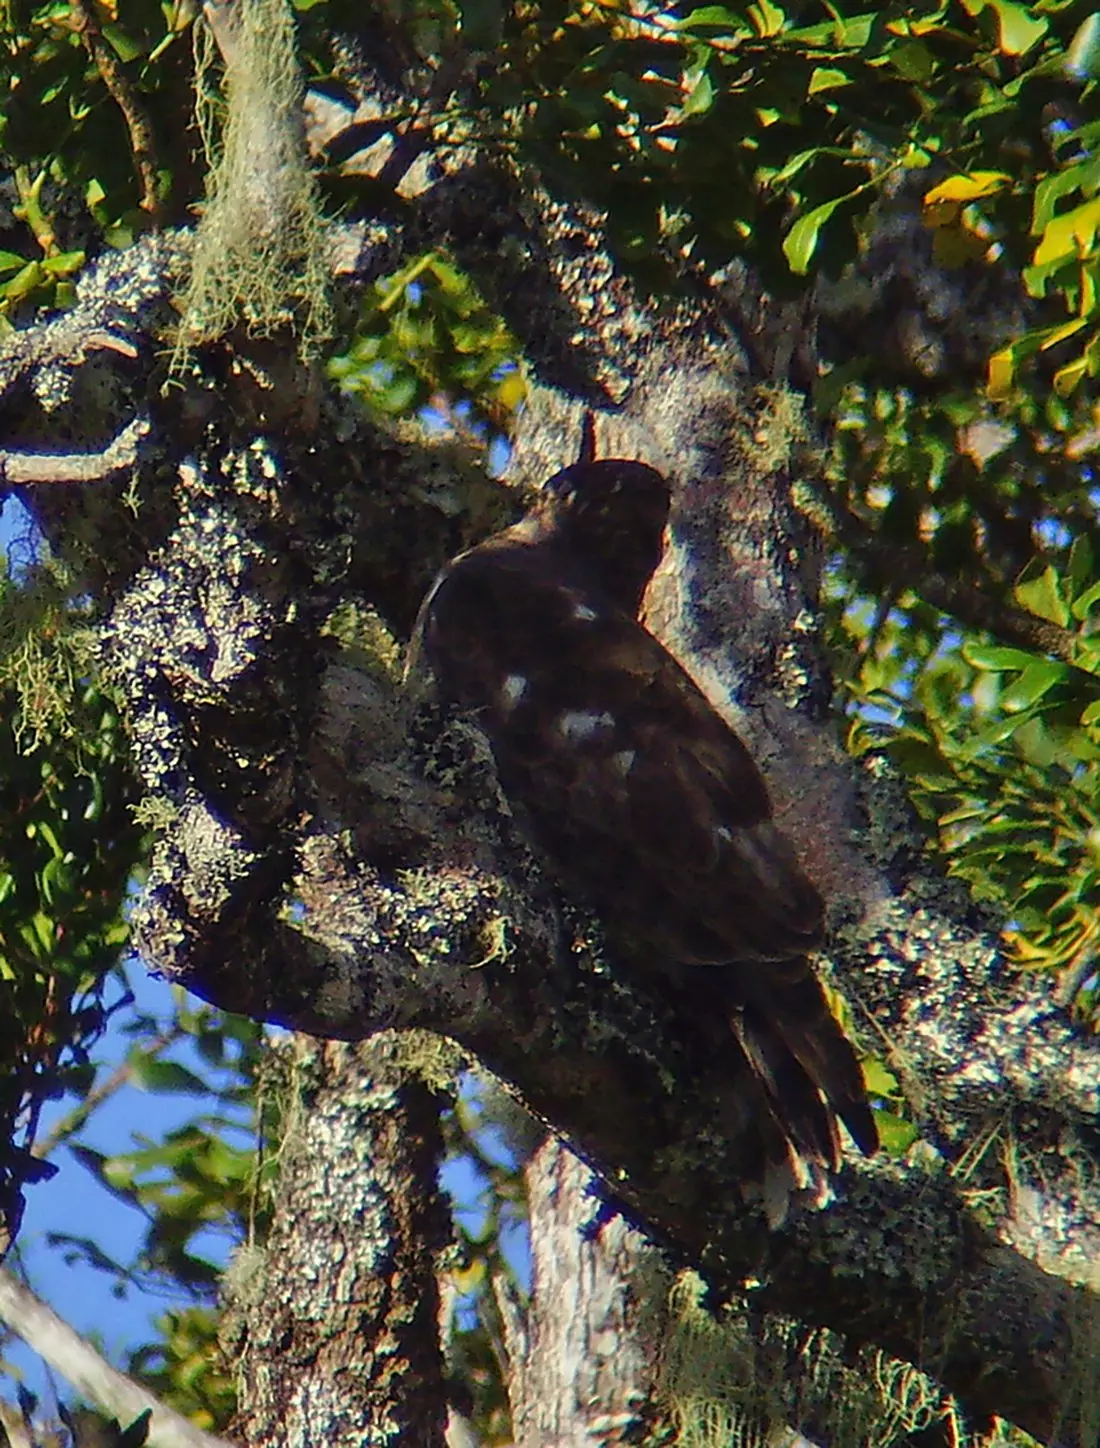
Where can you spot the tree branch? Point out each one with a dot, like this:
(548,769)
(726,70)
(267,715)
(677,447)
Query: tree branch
(125,96)
(79,1363)
(34,468)
(965,602)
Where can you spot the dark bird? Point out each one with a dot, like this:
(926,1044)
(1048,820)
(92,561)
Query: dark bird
(649,805)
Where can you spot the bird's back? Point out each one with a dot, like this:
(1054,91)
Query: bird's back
(652,809)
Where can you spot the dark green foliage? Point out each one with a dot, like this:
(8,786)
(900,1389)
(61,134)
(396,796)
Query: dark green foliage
(68,847)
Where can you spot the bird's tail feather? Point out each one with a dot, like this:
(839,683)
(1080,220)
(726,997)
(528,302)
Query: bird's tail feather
(803,1078)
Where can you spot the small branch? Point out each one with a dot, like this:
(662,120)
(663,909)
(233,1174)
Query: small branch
(119,1077)
(124,95)
(28,469)
(970,605)
(79,1363)
(973,607)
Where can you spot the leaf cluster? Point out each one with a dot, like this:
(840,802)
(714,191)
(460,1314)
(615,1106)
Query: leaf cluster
(1000,750)
(425,338)
(68,848)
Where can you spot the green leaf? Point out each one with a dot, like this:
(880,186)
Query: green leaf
(1070,235)
(801,241)
(825,78)
(1053,187)
(1038,589)
(896,1134)
(24,282)
(878,1080)
(151,1073)
(1083,604)
(1083,52)
(64,264)
(1079,568)
(1019,28)
(766,17)
(700,97)
(121,41)
(993,656)
(1036,681)
(712,17)
(965,188)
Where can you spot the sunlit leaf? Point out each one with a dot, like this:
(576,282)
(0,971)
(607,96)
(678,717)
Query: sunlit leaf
(967,187)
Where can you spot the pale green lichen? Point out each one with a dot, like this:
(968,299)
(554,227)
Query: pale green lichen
(779,429)
(360,628)
(435,1060)
(46,651)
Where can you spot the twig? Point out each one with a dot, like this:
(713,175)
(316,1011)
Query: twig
(28,469)
(905,566)
(111,73)
(79,1363)
(75,1119)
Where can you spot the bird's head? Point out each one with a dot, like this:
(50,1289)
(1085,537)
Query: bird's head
(612,513)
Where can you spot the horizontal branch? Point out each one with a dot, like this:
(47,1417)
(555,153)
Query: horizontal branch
(907,567)
(29,469)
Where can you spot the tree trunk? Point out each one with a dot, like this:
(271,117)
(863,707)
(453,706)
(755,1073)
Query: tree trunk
(333,1322)
(585,1365)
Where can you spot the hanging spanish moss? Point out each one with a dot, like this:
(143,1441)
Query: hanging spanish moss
(259,258)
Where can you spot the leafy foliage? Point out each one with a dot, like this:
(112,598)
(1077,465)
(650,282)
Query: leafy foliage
(1000,751)
(425,338)
(184,1368)
(68,846)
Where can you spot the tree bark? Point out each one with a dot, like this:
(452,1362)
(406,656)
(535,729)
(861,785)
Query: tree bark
(334,1321)
(585,1364)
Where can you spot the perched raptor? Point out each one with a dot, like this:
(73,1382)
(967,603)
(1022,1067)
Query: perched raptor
(649,805)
